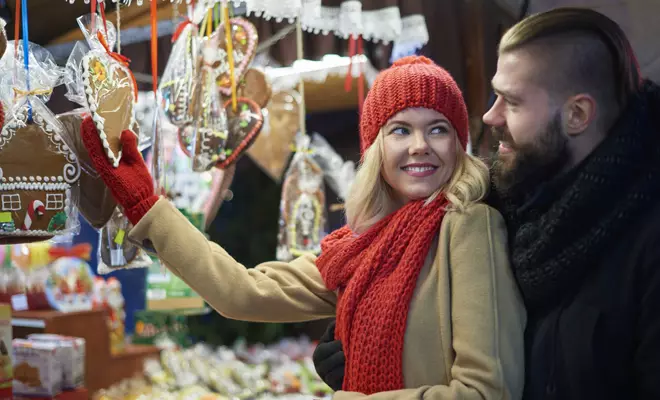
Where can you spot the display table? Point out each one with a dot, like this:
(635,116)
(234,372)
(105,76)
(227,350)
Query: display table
(102,369)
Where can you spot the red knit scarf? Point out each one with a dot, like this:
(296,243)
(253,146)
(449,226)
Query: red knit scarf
(376,274)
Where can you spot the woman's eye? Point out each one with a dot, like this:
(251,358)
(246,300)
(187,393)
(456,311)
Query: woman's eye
(439,130)
(399,131)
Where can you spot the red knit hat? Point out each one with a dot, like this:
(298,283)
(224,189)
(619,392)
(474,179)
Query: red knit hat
(413,81)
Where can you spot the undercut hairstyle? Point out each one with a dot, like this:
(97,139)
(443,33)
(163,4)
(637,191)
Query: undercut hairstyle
(580,51)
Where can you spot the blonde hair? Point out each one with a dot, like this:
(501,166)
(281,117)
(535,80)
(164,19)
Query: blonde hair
(371,198)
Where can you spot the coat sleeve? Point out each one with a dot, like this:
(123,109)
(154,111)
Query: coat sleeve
(487,314)
(646,360)
(270,292)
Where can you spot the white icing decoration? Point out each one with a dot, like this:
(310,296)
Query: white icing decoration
(19,120)
(93,107)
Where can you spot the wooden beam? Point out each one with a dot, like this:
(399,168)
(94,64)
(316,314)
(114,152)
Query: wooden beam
(476,81)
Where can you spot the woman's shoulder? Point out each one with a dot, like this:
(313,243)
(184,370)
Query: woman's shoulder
(478,216)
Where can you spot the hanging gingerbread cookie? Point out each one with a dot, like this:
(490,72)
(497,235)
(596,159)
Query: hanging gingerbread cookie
(39,171)
(179,76)
(36,197)
(110,91)
(244,40)
(302,206)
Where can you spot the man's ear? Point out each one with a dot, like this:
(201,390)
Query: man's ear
(579,113)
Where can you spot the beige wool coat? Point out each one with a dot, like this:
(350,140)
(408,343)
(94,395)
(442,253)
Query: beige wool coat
(464,338)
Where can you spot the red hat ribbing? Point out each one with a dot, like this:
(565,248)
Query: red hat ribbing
(413,81)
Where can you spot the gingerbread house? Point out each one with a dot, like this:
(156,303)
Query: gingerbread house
(37,174)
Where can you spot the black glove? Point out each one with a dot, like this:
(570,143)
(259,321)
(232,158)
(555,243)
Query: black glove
(329,359)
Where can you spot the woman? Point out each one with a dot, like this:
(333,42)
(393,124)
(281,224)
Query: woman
(419,279)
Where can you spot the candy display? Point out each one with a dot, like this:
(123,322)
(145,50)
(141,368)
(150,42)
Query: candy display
(37,370)
(70,285)
(6,367)
(282,371)
(71,357)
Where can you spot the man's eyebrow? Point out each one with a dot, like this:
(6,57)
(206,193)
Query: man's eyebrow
(505,94)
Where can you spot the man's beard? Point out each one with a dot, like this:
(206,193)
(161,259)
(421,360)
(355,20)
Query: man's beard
(529,165)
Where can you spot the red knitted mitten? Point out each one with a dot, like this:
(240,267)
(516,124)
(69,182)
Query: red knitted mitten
(130,183)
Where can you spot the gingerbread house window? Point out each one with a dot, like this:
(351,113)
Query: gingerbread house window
(11,202)
(54,201)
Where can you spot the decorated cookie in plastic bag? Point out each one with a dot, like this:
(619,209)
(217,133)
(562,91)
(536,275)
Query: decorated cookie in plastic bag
(110,91)
(206,138)
(272,148)
(180,72)
(39,171)
(95,202)
(302,206)
(115,250)
(244,42)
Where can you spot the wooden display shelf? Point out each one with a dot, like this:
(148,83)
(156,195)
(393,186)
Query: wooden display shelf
(102,369)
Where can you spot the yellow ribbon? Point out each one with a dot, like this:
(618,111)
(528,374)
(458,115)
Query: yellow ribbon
(298,150)
(230,54)
(36,92)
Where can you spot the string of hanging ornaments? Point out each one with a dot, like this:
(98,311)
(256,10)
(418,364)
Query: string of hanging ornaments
(400,22)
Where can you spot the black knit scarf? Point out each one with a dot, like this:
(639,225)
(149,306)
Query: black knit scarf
(557,236)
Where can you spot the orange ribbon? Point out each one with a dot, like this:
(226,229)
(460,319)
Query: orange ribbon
(120,59)
(82,251)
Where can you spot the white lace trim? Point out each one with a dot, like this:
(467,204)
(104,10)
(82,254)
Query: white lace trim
(414,35)
(287,78)
(382,25)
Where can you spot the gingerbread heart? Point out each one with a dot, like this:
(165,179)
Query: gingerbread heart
(244,42)
(254,86)
(110,95)
(271,150)
(244,125)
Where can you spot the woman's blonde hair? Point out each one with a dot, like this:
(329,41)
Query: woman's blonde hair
(371,198)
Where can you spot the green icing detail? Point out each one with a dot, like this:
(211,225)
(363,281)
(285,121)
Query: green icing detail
(58,222)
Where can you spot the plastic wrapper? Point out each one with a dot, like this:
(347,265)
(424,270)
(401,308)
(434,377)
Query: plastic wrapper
(101,81)
(115,250)
(3,37)
(209,137)
(40,173)
(302,223)
(339,174)
(177,81)
(96,203)
(272,149)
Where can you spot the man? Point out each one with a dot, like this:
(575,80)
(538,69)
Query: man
(577,178)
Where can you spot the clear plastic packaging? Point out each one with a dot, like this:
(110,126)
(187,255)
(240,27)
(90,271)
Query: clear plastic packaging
(115,250)
(302,223)
(3,37)
(96,203)
(209,138)
(101,81)
(177,81)
(339,174)
(39,171)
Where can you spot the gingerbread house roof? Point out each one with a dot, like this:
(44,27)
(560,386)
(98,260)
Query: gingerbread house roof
(46,164)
